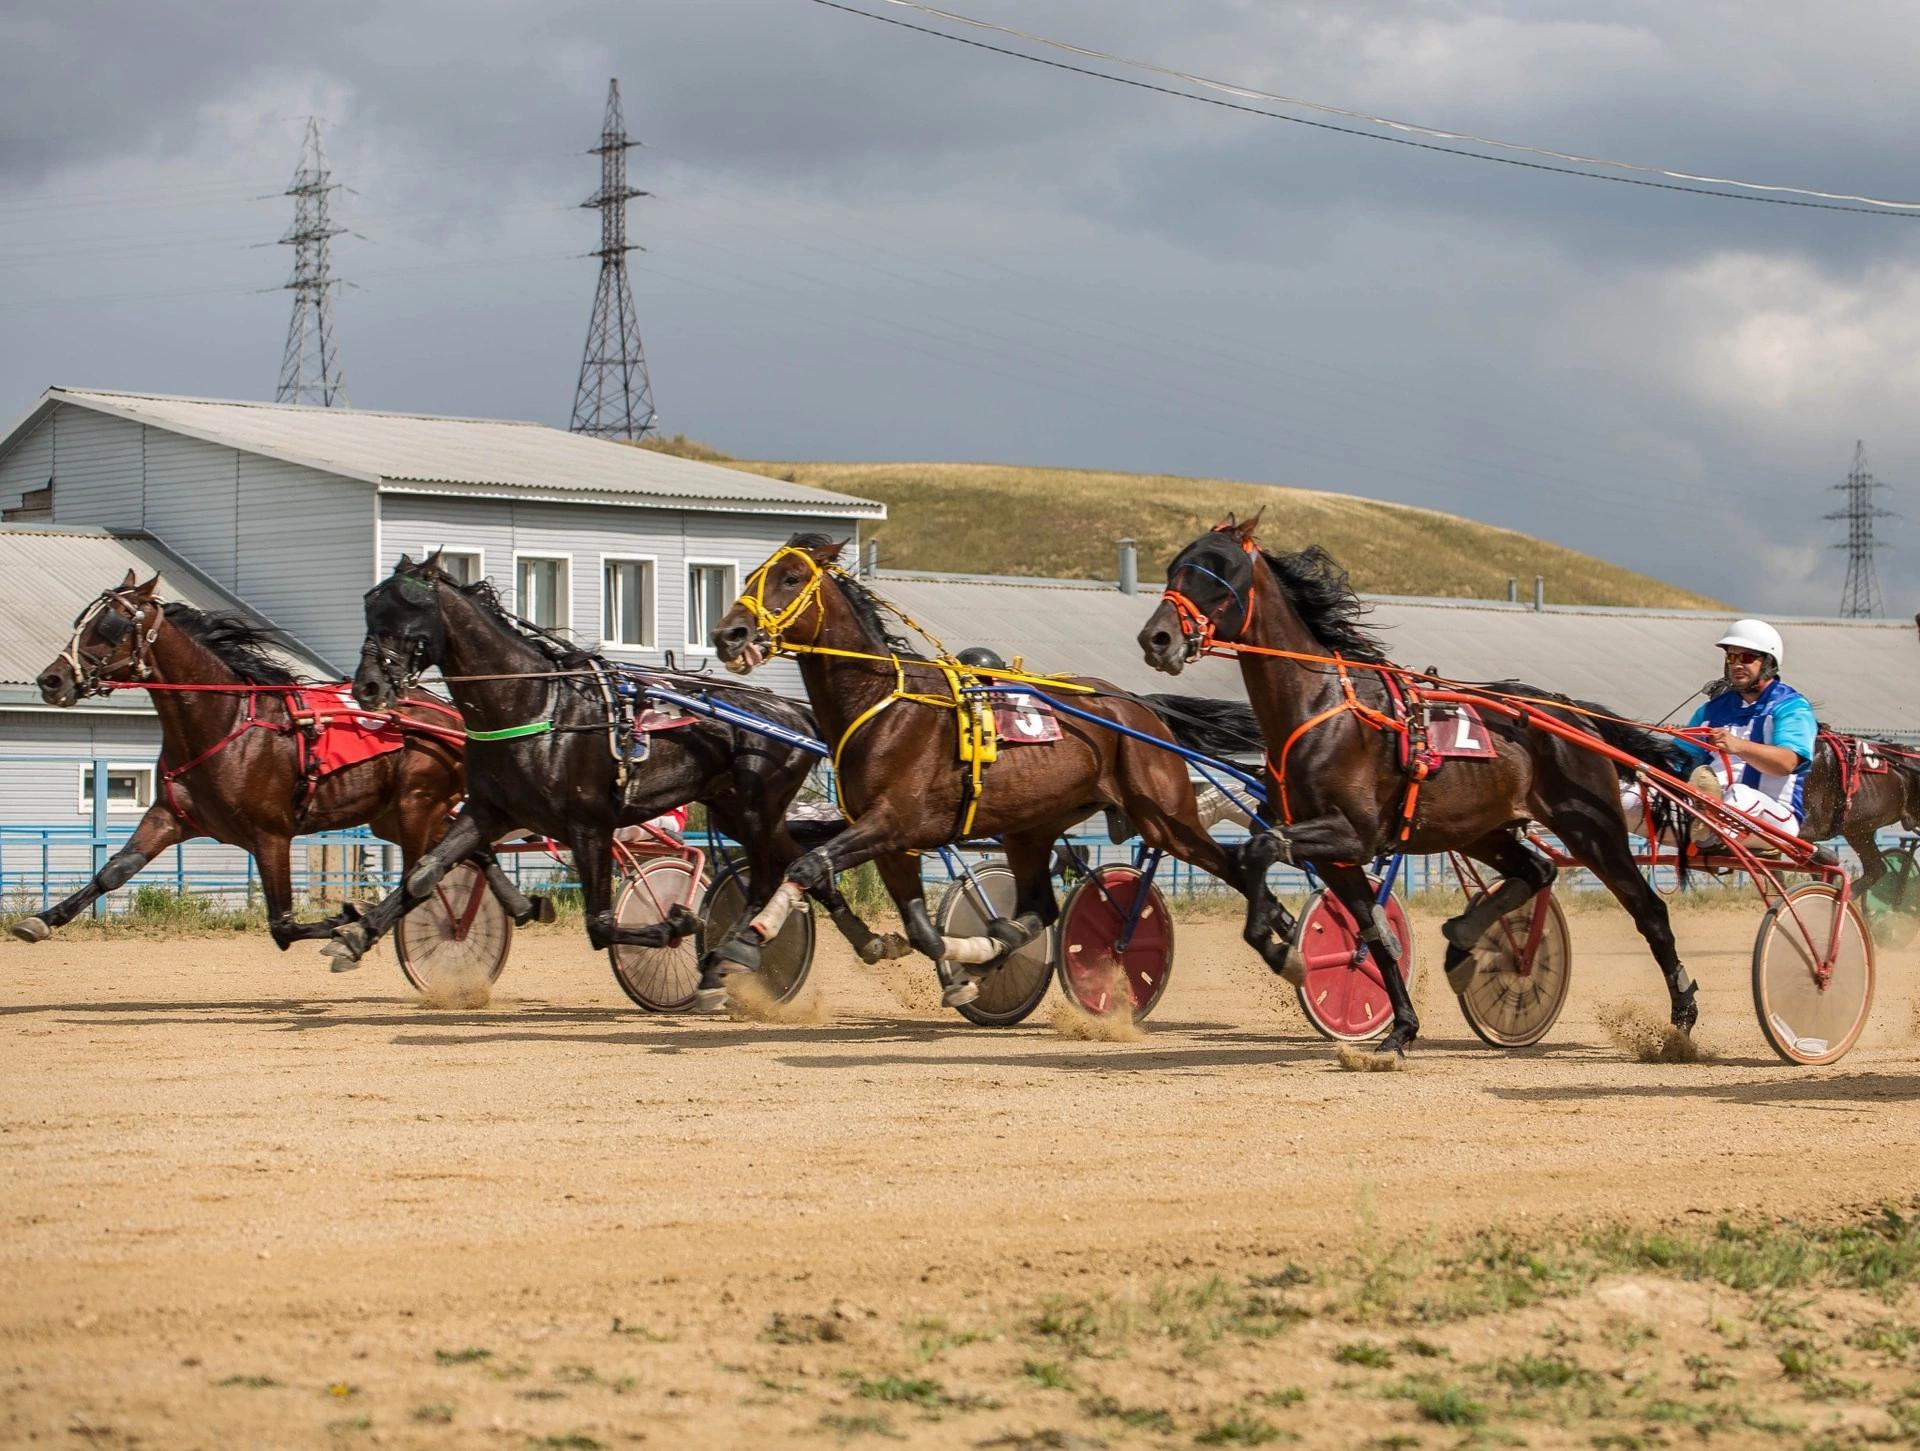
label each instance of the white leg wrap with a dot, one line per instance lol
(774, 915)
(970, 949)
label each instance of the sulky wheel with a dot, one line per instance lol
(1014, 989)
(1343, 993)
(659, 979)
(785, 961)
(1094, 973)
(1522, 968)
(1804, 1020)
(453, 945)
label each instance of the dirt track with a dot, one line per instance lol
(220, 1167)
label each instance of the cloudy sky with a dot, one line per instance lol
(870, 244)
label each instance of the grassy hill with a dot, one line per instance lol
(1001, 519)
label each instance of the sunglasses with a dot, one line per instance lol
(1745, 657)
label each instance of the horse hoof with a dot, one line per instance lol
(736, 954)
(31, 929)
(348, 946)
(340, 958)
(1290, 966)
(1457, 934)
(959, 994)
(1010, 934)
(710, 1000)
(894, 946)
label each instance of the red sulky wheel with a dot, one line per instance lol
(1094, 973)
(1343, 994)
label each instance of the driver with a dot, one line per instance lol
(1760, 727)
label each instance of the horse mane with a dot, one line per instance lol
(860, 599)
(241, 645)
(555, 647)
(1326, 602)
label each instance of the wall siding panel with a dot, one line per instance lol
(29, 465)
(96, 470)
(306, 553)
(192, 501)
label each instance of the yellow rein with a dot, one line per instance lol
(977, 746)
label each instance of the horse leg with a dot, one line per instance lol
(158, 830)
(593, 865)
(874, 835)
(1353, 888)
(1873, 865)
(1524, 872)
(522, 908)
(1605, 853)
(1030, 859)
(473, 827)
(770, 850)
(959, 980)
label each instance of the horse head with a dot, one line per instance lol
(1209, 595)
(406, 631)
(110, 642)
(779, 605)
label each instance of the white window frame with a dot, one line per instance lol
(566, 595)
(479, 555)
(142, 771)
(686, 579)
(651, 609)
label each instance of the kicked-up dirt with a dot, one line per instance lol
(244, 1201)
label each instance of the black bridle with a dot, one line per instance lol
(90, 670)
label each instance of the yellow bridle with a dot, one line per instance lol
(978, 747)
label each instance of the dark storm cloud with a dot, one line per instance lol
(871, 243)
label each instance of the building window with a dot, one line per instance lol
(129, 789)
(710, 593)
(462, 566)
(540, 591)
(626, 602)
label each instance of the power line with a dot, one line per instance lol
(1860, 596)
(1871, 206)
(614, 397)
(310, 364)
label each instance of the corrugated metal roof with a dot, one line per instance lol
(1862, 675)
(416, 452)
(48, 574)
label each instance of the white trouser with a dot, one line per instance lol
(1749, 800)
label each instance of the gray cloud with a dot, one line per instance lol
(871, 244)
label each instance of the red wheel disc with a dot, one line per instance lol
(1345, 999)
(1093, 971)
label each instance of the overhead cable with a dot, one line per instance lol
(1692, 183)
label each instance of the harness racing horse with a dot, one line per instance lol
(1342, 796)
(898, 723)
(542, 720)
(235, 725)
(1848, 797)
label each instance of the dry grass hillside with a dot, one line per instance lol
(1002, 519)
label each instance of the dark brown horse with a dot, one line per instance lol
(891, 718)
(1332, 757)
(1848, 797)
(231, 758)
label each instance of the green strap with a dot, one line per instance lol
(512, 733)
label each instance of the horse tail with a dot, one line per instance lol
(1211, 727)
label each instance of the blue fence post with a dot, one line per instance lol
(100, 788)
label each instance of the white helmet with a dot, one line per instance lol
(1754, 635)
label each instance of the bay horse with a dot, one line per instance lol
(1342, 794)
(227, 726)
(894, 720)
(1846, 798)
(540, 716)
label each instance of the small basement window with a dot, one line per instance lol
(129, 789)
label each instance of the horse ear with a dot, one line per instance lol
(1244, 531)
(1224, 525)
(132, 578)
(405, 563)
(828, 553)
(432, 561)
(146, 590)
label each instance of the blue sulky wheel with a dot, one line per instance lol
(454, 945)
(1011, 991)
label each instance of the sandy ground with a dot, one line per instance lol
(248, 1202)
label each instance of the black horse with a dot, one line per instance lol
(541, 717)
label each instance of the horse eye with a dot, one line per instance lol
(790, 578)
